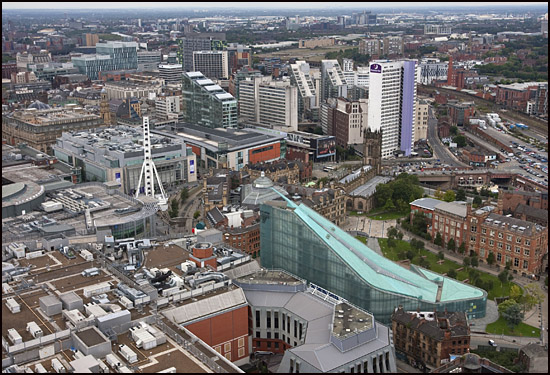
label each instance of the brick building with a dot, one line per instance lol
(520, 242)
(508, 200)
(451, 220)
(430, 338)
(328, 202)
(280, 171)
(460, 113)
(517, 96)
(245, 238)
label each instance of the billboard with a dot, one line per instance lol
(191, 166)
(326, 147)
(376, 68)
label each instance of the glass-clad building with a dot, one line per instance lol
(299, 240)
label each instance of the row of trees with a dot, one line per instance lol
(398, 193)
(351, 53)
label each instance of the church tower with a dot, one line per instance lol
(373, 149)
(104, 109)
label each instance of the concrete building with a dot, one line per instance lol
(228, 148)
(392, 104)
(316, 330)
(333, 81)
(461, 112)
(39, 126)
(91, 39)
(432, 70)
(116, 155)
(421, 120)
(50, 305)
(310, 147)
(349, 121)
(207, 104)
(370, 47)
(430, 29)
(91, 65)
(269, 103)
(393, 46)
(167, 107)
(450, 219)
(213, 64)
(326, 201)
(171, 73)
(198, 42)
(299, 240)
(123, 54)
(238, 56)
(131, 89)
(534, 358)
(23, 59)
(299, 73)
(148, 60)
(517, 96)
(471, 363)
(430, 339)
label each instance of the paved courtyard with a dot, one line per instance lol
(374, 228)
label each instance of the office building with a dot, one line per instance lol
(370, 47)
(116, 155)
(421, 120)
(430, 339)
(310, 147)
(23, 59)
(198, 42)
(240, 75)
(432, 70)
(92, 39)
(437, 29)
(213, 64)
(392, 104)
(299, 73)
(207, 104)
(333, 81)
(123, 54)
(393, 46)
(269, 103)
(171, 73)
(148, 60)
(39, 126)
(91, 65)
(315, 329)
(167, 107)
(347, 121)
(364, 18)
(238, 57)
(461, 112)
(299, 240)
(132, 89)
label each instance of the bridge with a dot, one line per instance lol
(464, 178)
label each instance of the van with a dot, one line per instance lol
(492, 343)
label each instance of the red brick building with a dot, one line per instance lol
(461, 113)
(451, 220)
(508, 200)
(245, 238)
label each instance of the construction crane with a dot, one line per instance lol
(149, 171)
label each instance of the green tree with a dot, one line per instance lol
(503, 277)
(391, 242)
(196, 215)
(399, 235)
(439, 194)
(410, 255)
(441, 255)
(474, 261)
(533, 295)
(460, 195)
(460, 140)
(462, 248)
(392, 232)
(513, 316)
(454, 130)
(452, 273)
(449, 196)
(438, 239)
(451, 245)
(466, 262)
(490, 259)
(477, 201)
(515, 293)
(389, 205)
(184, 195)
(503, 306)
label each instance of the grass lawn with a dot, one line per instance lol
(388, 215)
(498, 290)
(524, 330)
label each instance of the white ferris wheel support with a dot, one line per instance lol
(149, 171)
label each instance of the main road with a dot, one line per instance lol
(440, 151)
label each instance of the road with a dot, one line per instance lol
(440, 151)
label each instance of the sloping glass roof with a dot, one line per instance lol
(375, 269)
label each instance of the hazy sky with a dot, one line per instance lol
(233, 5)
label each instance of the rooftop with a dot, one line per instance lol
(369, 188)
(349, 321)
(270, 277)
(525, 228)
(452, 208)
(426, 203)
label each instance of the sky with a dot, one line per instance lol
(247, 5)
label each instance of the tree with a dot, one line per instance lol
(454, 130)
(513, 316)
(389, 205)
(491, 259)
(477, 201)
(410, 255)
(392, 232)
(460, 140)
(503, 277)
(440, 255)
(466, 262)
(391, 242)
(503, 306)
(508, 265)
(460, 195)
(184, 195)
(515, 293)
(399, 235)
(452, 273)
(462, 248)
(533, 295)
(451, 245)
(438, 239)
(474, 261)
(449, 196)
(438, 194)
(196, 215)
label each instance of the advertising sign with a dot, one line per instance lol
(376, 68)
(117, 177)
(326, 147)
(191, 166)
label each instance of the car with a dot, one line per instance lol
(492, 343)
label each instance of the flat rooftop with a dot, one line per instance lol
(349, 321)
(271, 277)
(90, 337)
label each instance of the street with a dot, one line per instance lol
(441, 152)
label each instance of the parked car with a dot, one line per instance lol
(492, 343)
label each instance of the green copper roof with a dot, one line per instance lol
(378, 271)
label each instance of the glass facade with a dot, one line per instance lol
(288, 242)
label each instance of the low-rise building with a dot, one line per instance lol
(430, 339)
(471, 363)
(281, 171)
(315, 42)
(534, 358)
(325, 201)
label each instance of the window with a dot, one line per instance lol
(483, 230)
(526, 252)
(516, 262)
(525, 264)
(499, 257)
(527, 242)
(518, 249)
(508, 247)
(518, 239)
(491, 243)
(509, 237)
(257, 318)
(269, 344)
(483, 240)
(257, 334)
(473, 228)
(241, 352)
(499, 245)
(276, 345)
(268, 335)
(276, 335)
(276, 315)
(268, 319)
(492, 234)
(227, 347)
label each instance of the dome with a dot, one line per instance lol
(472, 362)
(262, 182)
(38, 105)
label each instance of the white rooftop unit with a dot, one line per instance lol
(34, 330)
(57, 366)
(169, 370)
(14, 336)
(95, 310)
(96, 289)
(112, 360)
(86, 255)
(40, 369)
(126, 302)
(13, 306)
(125, 370)
(128, 353)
